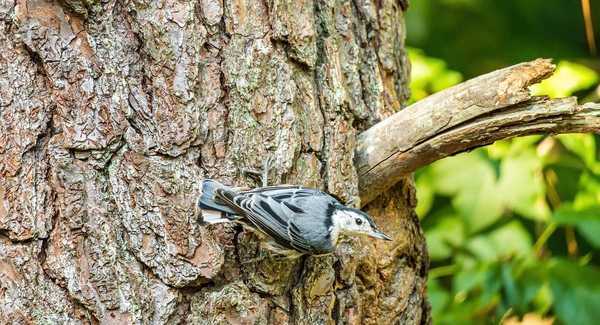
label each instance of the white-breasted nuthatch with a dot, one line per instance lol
(295, 220)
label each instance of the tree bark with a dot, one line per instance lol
(112, 113)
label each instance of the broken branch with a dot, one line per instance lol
(475, 113)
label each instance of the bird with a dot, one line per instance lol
(292, 220)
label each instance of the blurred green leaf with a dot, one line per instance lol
(583, 145)
(426, 192)
(447, 79)
(466, 201)
(589, 192)
(476, 290)
(511, 290)
(438, 297)
(591, 231)
(509, 240)
(535, 294)
(587, 221)
(566, 181)
(429, 75)
(448, 232)
(576, 292)
(543, 299)
(471, 181)
(568, 78)
(504, 148)
(521, 185)
(586, 199)
(567, 215)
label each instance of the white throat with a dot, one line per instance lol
(337, 220)
(344, 222)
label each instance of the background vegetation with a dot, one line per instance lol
(513, 229)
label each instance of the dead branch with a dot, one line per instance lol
(475, 113)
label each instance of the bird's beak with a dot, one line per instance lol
(380, 235)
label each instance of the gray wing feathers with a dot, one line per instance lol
(275, 217)
(288, 214)
(269, 215)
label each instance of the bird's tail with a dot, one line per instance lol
(209, 201)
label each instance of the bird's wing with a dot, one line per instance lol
(272, 215)
(290, 193)
(278, 189)
(294, 192)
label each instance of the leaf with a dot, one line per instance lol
(446, 79)
(582, 145)
(438, 297)
(567, 183)
(425, 192)
(568, 78)
(511, 239)
(576, 292)
(429, 75)
(543, 298)
(471, 182)
(523, 280)
(567, 215)
(521, 185)
(587, 221)
(504, 148)
(509, 284)
(479, 286)
(447, 233)
(591, 231)
(529, 319)
(589, 192)
(535, 290)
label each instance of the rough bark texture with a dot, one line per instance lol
(111, 114)
(475, 113)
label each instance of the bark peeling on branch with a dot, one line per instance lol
(478, 112)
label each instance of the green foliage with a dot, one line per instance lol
(568, 78)
(586, 220)
(422, 68)
(475, 36)
(576, 292)
(513, 228)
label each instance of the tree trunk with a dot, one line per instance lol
(111, 114)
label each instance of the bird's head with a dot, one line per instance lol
(355, 222)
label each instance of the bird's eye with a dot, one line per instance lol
(358, 221)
